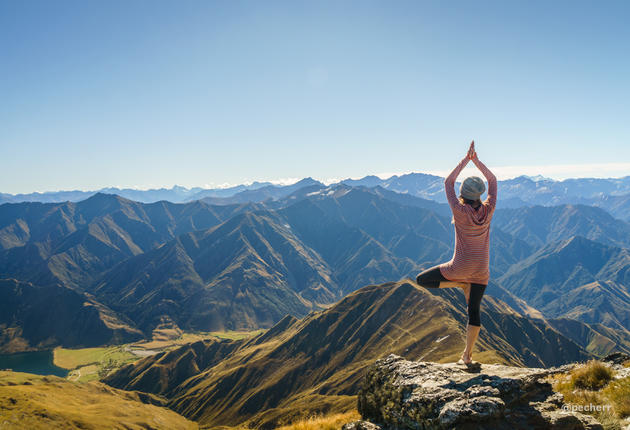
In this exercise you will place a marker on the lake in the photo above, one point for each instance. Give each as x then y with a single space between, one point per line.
39 362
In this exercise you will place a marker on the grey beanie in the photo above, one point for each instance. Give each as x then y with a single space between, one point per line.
472 188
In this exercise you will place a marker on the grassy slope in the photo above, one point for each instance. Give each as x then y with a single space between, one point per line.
42 402
323 422
73 358
315 365
90 364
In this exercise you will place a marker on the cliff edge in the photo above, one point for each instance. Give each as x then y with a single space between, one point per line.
401 394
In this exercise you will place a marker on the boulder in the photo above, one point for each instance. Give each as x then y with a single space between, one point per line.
361 425
401 394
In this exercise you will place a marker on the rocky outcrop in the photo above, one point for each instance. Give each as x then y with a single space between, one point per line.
400 394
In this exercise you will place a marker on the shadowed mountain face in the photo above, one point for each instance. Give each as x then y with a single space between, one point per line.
595 338
72 243
30 318
618 206
561 266
247 272
541 225
598 302
575 278
307 365
355 256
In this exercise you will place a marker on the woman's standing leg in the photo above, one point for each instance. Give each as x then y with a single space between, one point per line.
433 278
474 320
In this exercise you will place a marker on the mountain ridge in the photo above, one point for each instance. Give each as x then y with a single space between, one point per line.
316 363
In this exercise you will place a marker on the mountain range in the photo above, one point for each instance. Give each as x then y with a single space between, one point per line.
201 266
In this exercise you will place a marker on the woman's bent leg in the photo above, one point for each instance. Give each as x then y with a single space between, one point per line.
431 278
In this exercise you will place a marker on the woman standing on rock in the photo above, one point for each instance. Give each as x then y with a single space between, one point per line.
469 267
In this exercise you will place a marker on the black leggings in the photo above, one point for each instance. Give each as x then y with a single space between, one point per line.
432 277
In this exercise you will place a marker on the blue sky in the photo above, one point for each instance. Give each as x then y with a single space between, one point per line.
202 93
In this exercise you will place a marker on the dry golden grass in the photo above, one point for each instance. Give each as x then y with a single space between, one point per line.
84 374
163 342
323 422
613 398
166 332
594 375
90 364
44 402
618 392
74 358
234 334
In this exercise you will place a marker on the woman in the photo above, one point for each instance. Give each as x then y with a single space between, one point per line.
469 267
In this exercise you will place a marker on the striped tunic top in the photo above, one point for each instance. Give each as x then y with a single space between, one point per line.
470 262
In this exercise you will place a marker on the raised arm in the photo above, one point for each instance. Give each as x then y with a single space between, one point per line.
492 181
449 184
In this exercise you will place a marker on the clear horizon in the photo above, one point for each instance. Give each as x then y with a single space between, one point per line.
468 171
147 94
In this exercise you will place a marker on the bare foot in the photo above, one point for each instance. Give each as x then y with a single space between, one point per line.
466 358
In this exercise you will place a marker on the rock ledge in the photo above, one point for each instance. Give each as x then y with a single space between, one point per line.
401 394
